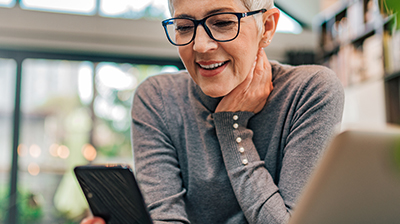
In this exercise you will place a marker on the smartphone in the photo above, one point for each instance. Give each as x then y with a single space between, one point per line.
113 193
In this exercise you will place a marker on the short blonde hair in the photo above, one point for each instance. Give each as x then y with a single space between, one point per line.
250 5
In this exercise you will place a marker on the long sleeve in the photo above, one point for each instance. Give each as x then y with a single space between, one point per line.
311 116
254 187
156 163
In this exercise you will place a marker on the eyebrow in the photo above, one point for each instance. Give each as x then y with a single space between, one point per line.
208 13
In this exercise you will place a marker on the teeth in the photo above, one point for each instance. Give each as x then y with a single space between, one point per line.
212 66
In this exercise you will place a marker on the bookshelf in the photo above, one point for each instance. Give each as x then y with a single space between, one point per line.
359 42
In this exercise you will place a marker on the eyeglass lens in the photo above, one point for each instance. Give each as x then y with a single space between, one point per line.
223 27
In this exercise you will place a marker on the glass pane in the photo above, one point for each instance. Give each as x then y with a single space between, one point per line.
55 129
86 7
287 24
7 91
73 113
133 9
115 84
7 3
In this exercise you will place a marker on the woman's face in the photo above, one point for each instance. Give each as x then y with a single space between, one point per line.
231 61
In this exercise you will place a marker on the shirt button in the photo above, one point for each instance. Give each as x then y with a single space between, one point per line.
241 150
235 125
238 139
245 162
235 117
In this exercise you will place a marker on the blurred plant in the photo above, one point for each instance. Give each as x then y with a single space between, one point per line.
29 206
113 137
391 7
120 136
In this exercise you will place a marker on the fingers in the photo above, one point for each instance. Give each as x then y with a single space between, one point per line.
93 220
251 95
262 80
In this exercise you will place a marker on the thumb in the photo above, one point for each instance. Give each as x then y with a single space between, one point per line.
93 220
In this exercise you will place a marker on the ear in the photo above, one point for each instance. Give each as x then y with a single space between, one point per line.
270 22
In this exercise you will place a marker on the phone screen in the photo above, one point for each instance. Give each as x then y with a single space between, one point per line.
113 194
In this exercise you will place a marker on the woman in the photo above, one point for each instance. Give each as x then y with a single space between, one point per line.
235 137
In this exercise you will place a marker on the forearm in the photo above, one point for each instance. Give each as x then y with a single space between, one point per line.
254 187
156 164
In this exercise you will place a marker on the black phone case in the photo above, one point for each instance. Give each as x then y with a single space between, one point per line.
113 194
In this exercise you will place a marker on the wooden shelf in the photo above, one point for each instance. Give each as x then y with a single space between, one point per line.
356 41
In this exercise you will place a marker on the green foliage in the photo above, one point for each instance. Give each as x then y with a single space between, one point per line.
30 211
391 7
29 207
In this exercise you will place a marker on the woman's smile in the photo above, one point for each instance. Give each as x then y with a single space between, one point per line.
211 68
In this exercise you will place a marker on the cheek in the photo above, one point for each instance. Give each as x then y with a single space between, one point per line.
186 56
245 50
244 60
181 53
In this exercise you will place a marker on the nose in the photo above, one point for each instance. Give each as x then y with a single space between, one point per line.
202 42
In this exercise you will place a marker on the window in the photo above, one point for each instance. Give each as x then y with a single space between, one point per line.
73 113
85 7
287 24
7 91
7 3
133 9
128 9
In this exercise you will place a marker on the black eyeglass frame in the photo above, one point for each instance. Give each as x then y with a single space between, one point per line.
203 23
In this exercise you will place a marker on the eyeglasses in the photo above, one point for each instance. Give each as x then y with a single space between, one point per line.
221 27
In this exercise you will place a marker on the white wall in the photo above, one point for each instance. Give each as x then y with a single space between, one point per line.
23 29
365 105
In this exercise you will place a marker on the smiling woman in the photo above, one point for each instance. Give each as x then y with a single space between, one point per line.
234 137
233 126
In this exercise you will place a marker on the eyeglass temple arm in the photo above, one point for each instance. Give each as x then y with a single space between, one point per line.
253 12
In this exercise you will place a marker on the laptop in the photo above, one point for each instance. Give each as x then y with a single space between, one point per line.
356 181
